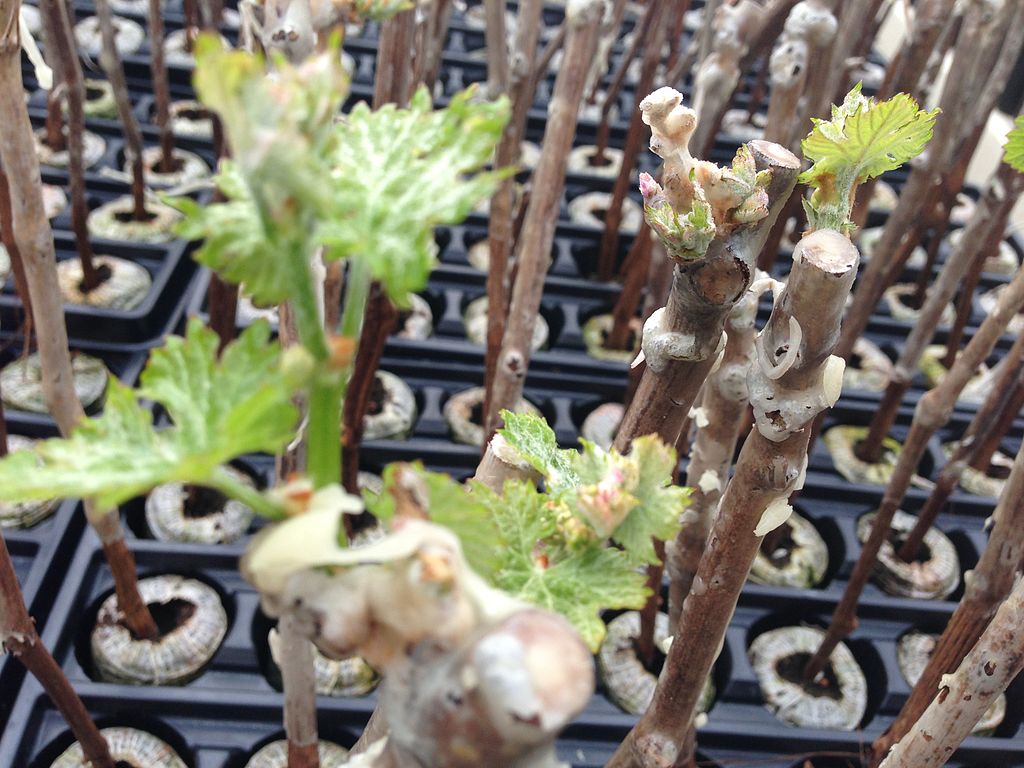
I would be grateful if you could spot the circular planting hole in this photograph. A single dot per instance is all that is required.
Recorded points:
(128, 216)
(826, 685)
(202, 502)
(171, 615)
(103, 273)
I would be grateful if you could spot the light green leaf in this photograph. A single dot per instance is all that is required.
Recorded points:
(547, 562)
(864, 139)
(660, 504)
(379, 10)
(1014, 149)
(398, 173)
(221, 410)
(535, 441)
(236, 245)
(449, 504)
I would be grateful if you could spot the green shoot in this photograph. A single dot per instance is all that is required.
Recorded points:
(1014, 149)
(220, 409)
(864, 139)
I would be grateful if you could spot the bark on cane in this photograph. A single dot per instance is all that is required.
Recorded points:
(723, 411)
(719, 72)
(965, 695)
(296, 661)
(17, 266)
(161, 86)
(651, 56)
(1005, 398)
(794, 378)
(534, 247)
(378, 322)
(703, 293)
(500, 228)
(497, 47)
(933, 411)
(624, 312)
(997, 202)
(18, 636)
(392, 82)
(110, 60)
(55, 14)
(34, 240)
(990, 583)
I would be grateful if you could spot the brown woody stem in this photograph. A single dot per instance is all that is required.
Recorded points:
(933, 411)
(55, 13)
(500, 231)
(18, 637)
(999, 198)
(624, 313)
(110, 60)
(652, 43)
(989, 585)
(533, 249)
(724, 405)
(161, 86)
(969, 689)
(703, 293)
(769, 467)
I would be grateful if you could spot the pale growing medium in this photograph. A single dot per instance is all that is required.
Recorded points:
(482, 603)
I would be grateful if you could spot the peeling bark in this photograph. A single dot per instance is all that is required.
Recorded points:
(793, 379)
(964, 695)
(989, 584)
(724, 410)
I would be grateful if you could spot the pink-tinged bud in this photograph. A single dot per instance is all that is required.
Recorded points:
(648, 186)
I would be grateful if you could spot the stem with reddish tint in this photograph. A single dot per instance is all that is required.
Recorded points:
(651, 57)
(110, 60)
(933, 411)
(161, 87)
(378, 323)
(18, 637)
(500, 232)
(55, 16)
(624, 312)
(533, 249)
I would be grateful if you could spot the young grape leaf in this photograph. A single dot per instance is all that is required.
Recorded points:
(535, 441)
(629, 499)
(449, 504)
(398, 173)
(547, 560)
(1014, 149)
(864, 139)
(220, 409)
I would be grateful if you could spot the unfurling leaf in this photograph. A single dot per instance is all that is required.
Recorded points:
(543, 562)
(1014, 149)
(395, 174)
(220, 410)
(864, 139)
(629, 499)
(448, 503)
